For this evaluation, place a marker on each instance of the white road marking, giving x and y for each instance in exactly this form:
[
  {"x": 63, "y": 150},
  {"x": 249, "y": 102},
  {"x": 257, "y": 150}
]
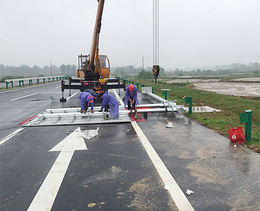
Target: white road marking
[
  {"x": 72, "y": 96},
  {"x": 24, "y": 96},
  {"x": 118, "y": 98},
  {"x": 176, "y": 193},
  {"x": 47, "y": 193},
  {"x": 10, "y": 136},
  {"x": 57, "y": 87}
]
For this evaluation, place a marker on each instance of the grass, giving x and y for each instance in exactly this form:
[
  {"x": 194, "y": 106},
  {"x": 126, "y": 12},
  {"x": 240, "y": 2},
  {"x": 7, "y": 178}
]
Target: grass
[{"x": 220, "y": 122}]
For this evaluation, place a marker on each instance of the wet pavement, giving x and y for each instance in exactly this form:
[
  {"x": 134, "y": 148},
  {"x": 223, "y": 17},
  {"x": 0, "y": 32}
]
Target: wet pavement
[
  {"x": 116, "y": 173},
  {"x": 223, "y": 177}
]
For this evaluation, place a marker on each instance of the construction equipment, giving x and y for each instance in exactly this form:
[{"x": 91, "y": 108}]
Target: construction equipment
[{"x": 93, "y": 69}]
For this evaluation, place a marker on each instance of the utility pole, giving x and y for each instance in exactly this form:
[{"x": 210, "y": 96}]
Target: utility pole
[
  {"x": 51, "y": 67},
  {"x": 156, "y": 67},
  {"x": 143, "y": 62}
]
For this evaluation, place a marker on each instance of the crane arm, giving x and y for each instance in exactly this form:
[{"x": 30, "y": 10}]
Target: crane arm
[{"x": 96, "y": 33}]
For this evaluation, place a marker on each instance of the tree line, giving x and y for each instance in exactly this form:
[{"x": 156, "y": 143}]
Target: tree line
[
  {"x": 131, "y": 71},
  {"x": 26, "y": 71},
  {"x": 225, "y": 70}
]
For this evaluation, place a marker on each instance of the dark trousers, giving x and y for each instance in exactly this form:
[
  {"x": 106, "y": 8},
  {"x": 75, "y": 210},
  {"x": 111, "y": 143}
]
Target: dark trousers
[
  {"x": 106, "y": 107},
  {"x": 129, "y": 104}
]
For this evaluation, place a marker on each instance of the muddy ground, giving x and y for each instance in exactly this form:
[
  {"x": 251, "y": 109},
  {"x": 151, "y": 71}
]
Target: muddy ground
[{"x": 245, "y": 87}]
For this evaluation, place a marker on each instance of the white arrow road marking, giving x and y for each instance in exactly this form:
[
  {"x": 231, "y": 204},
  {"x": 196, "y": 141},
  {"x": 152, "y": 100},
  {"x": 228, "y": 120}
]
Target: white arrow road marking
[{"x": 46, "y": 195}]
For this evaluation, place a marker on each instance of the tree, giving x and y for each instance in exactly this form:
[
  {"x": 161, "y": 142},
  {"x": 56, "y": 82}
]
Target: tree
[{"x": 145, "y": 75}]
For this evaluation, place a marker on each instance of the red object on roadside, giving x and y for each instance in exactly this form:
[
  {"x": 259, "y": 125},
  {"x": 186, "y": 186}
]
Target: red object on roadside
[{"x": 236, "y": 135}]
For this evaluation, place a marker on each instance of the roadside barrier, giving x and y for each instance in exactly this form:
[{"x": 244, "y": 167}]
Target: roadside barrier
[
  {"x": 189, "y": 100},
  {"x": 247, "y": 118},
  {"x": 30, "y": 80}
]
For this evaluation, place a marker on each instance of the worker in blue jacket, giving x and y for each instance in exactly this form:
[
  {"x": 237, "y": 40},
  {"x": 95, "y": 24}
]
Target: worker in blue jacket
[
  {"x": 110, "y": 100},
  {"x": 86, "y": 100},
  {"x": 131, "y": 96},
  {"x": 93, "y": 93}
]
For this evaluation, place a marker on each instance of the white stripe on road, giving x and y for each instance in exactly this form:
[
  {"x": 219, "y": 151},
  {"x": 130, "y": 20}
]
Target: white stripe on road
[
  {"x": 72, "y": 95},
  {"x": 23, "y": 97},
  {"x": 10, "y": 136},
  {"x": 118, "y": 98},
  {"x": 176, "y": 193}
]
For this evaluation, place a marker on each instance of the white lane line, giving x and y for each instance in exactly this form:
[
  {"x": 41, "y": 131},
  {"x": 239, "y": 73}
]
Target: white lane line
[
  {"x": 10, "y": 136},
  {"x": 72, "y": 96},
  {"x": 118, "y": 98},
  {"x": 176, "y": 193},
  {"x": 23, "y": 97},
  {"x": 57, "y": 87}
]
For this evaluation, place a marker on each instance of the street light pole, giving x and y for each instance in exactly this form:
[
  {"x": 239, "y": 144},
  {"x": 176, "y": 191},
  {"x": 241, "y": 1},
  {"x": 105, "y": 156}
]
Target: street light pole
[{"x": 51, "y": 67}]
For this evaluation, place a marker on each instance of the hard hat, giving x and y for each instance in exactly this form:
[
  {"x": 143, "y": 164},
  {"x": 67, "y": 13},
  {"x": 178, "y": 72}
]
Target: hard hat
[
  {"x": 131, "y": 87},
  {"x": 90, "y": 99}
]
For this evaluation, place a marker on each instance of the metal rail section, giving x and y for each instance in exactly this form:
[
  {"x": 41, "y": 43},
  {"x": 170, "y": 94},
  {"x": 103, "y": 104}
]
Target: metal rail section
[
  {"x": 169, "y": 106},
  {"x": 68, "y": 116}
]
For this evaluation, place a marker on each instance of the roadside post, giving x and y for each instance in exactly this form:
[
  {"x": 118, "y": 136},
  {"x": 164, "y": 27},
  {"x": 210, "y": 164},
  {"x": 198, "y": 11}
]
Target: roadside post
[
  {"x": 189, "y": 100},
  {"x": 247, "y": 118},
  {"x": 21, "y": 82},
  {"x": 165, "y": 93},
  {"x": 137, "y": 86}
]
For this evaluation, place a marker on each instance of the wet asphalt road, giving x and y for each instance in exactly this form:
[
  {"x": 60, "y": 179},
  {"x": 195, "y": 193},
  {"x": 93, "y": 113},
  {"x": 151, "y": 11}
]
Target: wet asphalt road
[{"x": 115, "y": 173}]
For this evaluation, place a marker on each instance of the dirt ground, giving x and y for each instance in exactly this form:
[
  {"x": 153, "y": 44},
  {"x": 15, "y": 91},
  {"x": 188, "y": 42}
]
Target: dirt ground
[{"x": 246, "y": 87}]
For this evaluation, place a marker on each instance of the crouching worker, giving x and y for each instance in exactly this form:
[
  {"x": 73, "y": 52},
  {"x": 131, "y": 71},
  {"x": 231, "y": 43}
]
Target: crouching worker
[
  {"x": 109, "y": 100},
  {"x": 131, "y": 97},
  {"x": 86, "y": 100},
  {"x": 93, "y": 93}
]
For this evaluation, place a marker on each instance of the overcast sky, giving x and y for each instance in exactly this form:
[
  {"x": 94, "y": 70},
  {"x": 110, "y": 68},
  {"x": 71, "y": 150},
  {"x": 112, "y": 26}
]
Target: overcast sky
[{"x": 193, "y": 33}]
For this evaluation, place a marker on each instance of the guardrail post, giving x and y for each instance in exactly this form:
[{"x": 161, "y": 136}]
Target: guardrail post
[
  {"x": 12, "y": 83},
  {"x": 247, "y": 118},
  {"x": 137, "y": 86},
  {"x": 49, "y": 80},
  {"x": 6, "y": 84},
  {"x": 38, "y": 81},
  {"x": 30, "y": 82},
  {"x": 21, "y": 82},
  {"x": 43, "y": 80},
  {"x": 165, "y": 93},
  {"x": 189, "y": 100}
]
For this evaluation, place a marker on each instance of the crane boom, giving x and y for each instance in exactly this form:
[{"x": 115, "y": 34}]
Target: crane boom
[
  {"x": 93, "y": 69},
  {"x": 96, "y": 33}
]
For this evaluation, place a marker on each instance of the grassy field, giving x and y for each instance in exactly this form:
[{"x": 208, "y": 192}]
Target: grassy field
[{"x": 219, "y": 122}]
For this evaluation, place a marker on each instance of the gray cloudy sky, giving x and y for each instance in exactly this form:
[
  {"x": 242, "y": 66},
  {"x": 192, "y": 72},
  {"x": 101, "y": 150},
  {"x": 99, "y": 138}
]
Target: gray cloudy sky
[{"x": 193, "y": 33}]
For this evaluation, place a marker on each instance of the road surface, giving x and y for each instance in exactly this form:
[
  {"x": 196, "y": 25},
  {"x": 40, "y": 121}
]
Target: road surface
[{"x": 128, "y": 166}]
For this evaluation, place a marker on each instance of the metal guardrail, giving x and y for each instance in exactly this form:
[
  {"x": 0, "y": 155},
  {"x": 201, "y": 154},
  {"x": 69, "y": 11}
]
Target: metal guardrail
[{"x": 30, "y": 80}]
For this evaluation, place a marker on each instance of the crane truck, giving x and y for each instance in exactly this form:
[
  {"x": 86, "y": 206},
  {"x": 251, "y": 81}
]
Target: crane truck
[{"x": 93, "y": 69}]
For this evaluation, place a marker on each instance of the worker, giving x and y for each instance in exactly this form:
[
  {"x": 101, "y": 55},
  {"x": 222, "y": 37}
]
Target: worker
[
  {"x": 93, "y": 93},
  {"x": 85, "y": 100},
  {"x": 131, "y": 97},
  {"x": 110, "y": 100}
]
